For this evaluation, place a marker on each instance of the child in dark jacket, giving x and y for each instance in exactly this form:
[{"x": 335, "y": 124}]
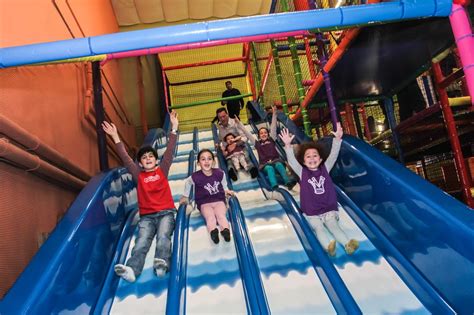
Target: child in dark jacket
[
  {"x": 155, "y": 202},
  {"x": 317, "y": 193},
  {"x": 269, "y": 159},
  {"x": 210, "y": 190}
]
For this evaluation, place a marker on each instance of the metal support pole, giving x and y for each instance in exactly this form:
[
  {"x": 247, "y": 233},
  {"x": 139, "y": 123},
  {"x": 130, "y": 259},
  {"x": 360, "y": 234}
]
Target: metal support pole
[
  {"x": 249, "y": 71},
  {"x": 257, "y": 69},
  {"x": 141, "y": 97},
  {"x": 327, "y": 80},
  {"x": 165, "y": 91},
  {"x": 368, "y": 135},
  {"x": 266, "y": 73},
  {"x": 388, "y": 103},
  {"x": 281, "y": 85},
  {"x": 99, "y": 116},
  {"x": 309, "y": 57},
  {"x": 298, "y": 77},
  {"x": 360, "y": 134}
]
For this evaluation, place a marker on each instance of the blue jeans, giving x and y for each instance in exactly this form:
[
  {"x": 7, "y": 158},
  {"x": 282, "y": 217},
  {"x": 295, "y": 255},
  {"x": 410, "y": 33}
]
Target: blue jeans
[
  {"x": 269, "y": 169},
  {"x": 160, "y": 224}
]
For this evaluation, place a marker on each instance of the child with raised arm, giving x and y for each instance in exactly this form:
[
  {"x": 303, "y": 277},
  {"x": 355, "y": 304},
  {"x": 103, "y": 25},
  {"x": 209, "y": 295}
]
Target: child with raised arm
[
  {"x": 234, "y": 152},
  {"x": 317, "y": 193},
  {"x": 268, "y": 157},
  {"x": 210, "y": 190},
  {"x": 155, "y": 203}
]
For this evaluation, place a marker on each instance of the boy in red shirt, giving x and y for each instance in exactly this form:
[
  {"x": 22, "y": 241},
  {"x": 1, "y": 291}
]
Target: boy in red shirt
[{"x": 155, "y": 202}]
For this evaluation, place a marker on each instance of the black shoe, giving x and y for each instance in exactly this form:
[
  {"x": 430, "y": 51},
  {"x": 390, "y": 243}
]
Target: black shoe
[
  {"x": 254, "y": 172},
  {"x": 226, "y": 235},
  {"x": 291, "y": 184},
  {"x": 232, "y": 174},
  {"x": 215, "y": 236}
]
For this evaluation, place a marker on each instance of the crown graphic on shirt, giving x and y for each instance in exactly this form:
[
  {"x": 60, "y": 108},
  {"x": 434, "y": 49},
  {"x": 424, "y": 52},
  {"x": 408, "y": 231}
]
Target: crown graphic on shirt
[
  {"x": 212, "y": 189},
  {"x": 318, "y": 185}
]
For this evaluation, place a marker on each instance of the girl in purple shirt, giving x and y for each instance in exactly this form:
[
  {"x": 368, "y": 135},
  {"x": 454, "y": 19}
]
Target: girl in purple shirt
[
  {"x": 268, "y": 158},
  {"x": 317, "y": 193},
  {"x": 210, "y": 190}
]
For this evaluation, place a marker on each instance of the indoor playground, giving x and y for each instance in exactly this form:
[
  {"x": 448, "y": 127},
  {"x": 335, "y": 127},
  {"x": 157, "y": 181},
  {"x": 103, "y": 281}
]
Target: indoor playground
[{"x": 397, "y": 75}]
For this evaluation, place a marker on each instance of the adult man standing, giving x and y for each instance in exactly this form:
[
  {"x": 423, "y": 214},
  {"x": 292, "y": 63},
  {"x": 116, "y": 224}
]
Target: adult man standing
[{"x": 233, "y": 106}]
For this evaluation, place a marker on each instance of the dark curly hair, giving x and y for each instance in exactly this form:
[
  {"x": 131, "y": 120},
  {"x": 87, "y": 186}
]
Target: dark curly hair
[{"x": 310, "y": 145}]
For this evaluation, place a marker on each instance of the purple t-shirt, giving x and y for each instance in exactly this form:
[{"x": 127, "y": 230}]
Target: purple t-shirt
[
  {"x": 317, "y": 192},
  {"x": 267, "y": 152},
  {"x": 208, "y": 189}
]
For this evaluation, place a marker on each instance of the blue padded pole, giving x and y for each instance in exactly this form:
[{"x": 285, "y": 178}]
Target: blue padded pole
[{"x": 315, "y": 20}]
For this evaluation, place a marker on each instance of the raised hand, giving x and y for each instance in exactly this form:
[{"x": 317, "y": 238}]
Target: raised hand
[
  {"x": 286, "y": 137},
  {"x": 111, "y": 130},
  {"x": 339, "y": 132},
  {"x": 174, "y": 120},
  {"x": 274, "y": 109}
]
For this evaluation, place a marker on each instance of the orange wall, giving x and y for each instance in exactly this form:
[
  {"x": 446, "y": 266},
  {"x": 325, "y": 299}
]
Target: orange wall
[{"x": 50, "y": 103}]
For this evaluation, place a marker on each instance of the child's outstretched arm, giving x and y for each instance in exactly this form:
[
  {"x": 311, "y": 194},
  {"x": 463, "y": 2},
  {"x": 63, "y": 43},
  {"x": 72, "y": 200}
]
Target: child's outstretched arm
[
  {"x": 227, "y": 191},
  {"x": 170, "y": 148},
  {"x": 286, "y": 137},
  {"x": 247, "y": 134},
  {"x": 224, "y": 149},
  {"x": 273, "y": 126},
  {"x": 188, "y": 185},
  {"x": 111, "y": 130},
  {"x": 336, "y": 146}
]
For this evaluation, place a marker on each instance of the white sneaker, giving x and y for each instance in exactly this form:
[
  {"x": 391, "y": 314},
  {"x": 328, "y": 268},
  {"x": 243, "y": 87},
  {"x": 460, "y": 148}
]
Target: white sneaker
[
  {"x": 125, "y": 272},
  {"x": 160, "y": 266}
]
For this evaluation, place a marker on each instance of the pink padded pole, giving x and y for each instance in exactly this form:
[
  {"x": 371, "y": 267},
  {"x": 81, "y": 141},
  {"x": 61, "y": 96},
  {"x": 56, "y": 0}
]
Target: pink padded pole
[{"x": 462, "y": 31}]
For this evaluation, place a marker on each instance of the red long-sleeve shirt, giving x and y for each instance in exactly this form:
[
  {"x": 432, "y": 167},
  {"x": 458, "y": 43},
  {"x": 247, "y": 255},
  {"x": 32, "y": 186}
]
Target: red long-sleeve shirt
[{"x": 153, "y": 189}]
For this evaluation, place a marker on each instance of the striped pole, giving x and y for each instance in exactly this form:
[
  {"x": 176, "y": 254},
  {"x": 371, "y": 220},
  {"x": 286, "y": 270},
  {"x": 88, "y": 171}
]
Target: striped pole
[{"x": 281, "y": 86}]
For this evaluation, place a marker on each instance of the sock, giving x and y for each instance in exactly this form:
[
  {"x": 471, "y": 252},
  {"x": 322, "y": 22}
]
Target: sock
[
  {"x": 125, "y": 272},
  {"x": 160, "y": 266}
]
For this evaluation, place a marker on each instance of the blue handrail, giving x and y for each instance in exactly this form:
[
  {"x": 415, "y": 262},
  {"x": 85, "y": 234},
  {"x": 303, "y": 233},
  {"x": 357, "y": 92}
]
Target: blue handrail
[
  {"x": 335, "y": 287},
  {"x": 255, "y": 294},
  {"x": 176, "y": 299},
  {"x": 88, "y": 232},
  {"x": 430, "y": 298},
  {"x": 104, "y": 301},
  {"x": 195, "y": 140}
]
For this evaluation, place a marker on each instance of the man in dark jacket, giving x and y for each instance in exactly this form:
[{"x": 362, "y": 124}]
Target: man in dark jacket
[{"x": 233, "y": 106}]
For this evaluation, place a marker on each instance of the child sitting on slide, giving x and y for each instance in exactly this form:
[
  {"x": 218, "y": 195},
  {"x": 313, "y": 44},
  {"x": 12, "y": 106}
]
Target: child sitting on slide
[
  {"x": 210, "y": 190},
  {"x": 155, "y": 203},
  {"x": 317, "y": 193},
  {"x": 234, "y": 152},
  {"x": 269, "y": 159}
]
